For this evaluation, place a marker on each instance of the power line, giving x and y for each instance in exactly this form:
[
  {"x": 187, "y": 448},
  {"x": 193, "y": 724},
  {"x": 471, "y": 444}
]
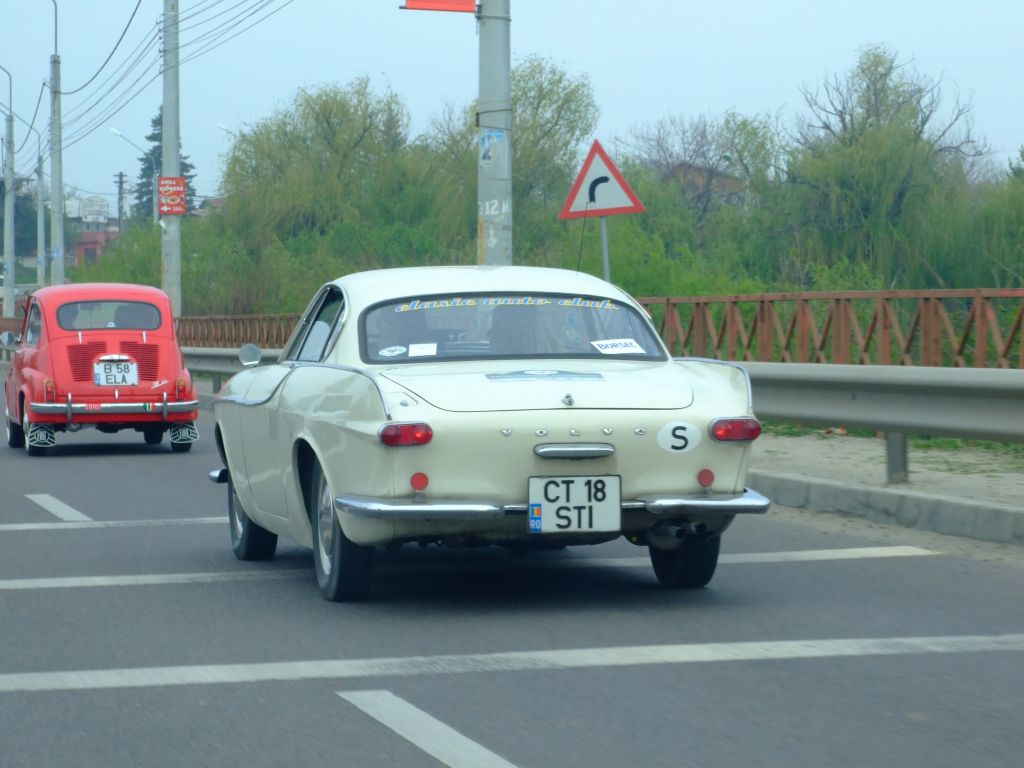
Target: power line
[{"x": 112, "y": 52}]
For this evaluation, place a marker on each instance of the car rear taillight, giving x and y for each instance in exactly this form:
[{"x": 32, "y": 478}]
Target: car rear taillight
[
  {"x": 725, "y": 430},
  {"x": 180, "y": 388},
  {"x": 406, "y": 434},
  {"x": 50, "y": 390}
]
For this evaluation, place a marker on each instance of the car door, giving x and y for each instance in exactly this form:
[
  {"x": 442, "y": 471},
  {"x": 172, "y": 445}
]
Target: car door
[
  {"x": 24, "y": 371},
  {"x": 266, "y": 433}
]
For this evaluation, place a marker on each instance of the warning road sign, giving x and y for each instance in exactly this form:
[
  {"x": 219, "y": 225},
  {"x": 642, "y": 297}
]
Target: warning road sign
[{"x": 600, "y": 190}]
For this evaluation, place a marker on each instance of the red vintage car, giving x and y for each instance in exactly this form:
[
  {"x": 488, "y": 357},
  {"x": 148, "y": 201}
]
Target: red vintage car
[{"x": 102, "y": 355}]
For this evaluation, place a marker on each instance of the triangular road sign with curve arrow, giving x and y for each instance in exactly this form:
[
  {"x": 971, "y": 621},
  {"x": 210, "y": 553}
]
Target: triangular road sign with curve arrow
[{"x": 599, "y": 190}]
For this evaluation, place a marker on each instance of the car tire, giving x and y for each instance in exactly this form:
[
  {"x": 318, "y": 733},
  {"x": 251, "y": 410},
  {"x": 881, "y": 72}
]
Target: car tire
[
  {"x": 689, "y": 566},
  {"x": 31, "y": 450},
  {"x": 153, "y": 435},
  {"x": 181, "y": 447},
  {"x": 343, "y": 568},
  {"x": 249, "y": 540},
  {"x": 15, "y": 434}
]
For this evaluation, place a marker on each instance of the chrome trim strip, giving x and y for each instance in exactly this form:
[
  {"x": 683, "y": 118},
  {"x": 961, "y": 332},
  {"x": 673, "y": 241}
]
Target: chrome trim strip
[
  {"x": 70, "y": 409},
  {"x": 410, "y": 509},
  {"x": 573, "y": 450},
  {"x": 748, "y": 502}
]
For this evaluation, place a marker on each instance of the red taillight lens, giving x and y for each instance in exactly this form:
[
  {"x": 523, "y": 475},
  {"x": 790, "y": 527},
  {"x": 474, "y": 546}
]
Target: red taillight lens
[
  {"x": 406, "y": 434},
  {"x": 50, "y": 390},
  {"x": 180, "y": 389},
  {"x": 735, "y": 429}
]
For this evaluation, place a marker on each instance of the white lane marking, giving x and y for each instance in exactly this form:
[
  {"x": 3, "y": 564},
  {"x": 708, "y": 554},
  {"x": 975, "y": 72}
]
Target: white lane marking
[
  {"x": 156, "y": 579},
  {"x": 58, "y": 508},
  {"x": 438, "y": 740},
  {"x": 515, "y": 661},
  {"x": 149, "y": 580},
  {"x": 16, "y": 527}
]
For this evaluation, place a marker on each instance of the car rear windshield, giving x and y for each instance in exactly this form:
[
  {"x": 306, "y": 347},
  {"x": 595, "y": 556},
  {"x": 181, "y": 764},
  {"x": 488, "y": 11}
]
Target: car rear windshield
[
  {"x": 108, "y": 314},
  {"x": 506, "y": 326}
]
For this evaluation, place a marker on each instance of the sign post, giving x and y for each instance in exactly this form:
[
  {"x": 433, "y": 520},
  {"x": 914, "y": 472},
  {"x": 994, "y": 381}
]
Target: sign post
[{"x": 600, "y": 190}]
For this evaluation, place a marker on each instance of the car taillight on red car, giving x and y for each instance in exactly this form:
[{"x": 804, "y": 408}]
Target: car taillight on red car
[
  {"x": 50, "y": 390},
  {"x": 180, "y": 388},
  {"x": 725, "y": 430},
  {"x": 406, "y": 434}
]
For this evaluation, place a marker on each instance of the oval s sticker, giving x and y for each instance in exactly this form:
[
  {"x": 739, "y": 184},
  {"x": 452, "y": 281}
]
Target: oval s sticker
[{"x": 679, "y": 437}]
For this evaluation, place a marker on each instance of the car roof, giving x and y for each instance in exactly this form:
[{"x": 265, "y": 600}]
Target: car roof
[
  {"x": 96, "y": 291},
  {"x": 366, "y": 288}
]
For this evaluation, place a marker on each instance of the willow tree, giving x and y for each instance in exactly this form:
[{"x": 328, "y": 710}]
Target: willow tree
[{"x": 867, "y": 160}]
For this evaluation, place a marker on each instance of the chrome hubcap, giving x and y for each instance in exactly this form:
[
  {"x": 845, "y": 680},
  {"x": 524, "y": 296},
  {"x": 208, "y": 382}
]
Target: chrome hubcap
[{"x": 325, "y": 525}]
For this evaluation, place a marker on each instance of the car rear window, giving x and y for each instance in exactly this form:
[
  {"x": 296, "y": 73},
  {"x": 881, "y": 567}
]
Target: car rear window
[
  {"x": 506, "y": 326},
  {"x": 108, "y": 314}
]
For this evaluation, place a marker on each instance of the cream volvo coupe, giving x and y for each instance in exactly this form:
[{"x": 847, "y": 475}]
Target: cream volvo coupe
[{"x": 465, "y": 406}]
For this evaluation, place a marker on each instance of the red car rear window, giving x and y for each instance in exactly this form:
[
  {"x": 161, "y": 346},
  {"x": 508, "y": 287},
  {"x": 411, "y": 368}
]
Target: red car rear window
[{"x": 110, "y": 313}]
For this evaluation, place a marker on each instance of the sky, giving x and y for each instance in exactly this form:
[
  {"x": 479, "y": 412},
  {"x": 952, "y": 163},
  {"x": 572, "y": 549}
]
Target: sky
[{"x": 646, "y": 60}]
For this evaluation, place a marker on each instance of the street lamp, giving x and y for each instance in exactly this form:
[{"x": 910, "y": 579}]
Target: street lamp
[
  {"x": 156, "y": 171},
  {"x": 9, "y": 269}
]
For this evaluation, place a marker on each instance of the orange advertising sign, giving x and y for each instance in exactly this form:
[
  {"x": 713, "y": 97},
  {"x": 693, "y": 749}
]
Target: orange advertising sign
[
  {"x": 171, "y": 196},
  {"x": 464, "y": 6}
]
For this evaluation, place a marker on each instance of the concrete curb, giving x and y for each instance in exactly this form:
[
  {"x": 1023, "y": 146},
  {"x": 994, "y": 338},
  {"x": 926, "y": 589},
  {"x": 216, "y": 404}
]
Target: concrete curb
[{"x": 987, "y": 521}]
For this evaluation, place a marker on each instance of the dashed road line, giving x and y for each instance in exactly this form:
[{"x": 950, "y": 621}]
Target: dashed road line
[
  {"x": 58, "y": 508},
  {"x": 514, "y": 661},
  {"x": 438, "y": 740},
  {"x": 98, "y": 524},
  {"x": 275, "y": 574}
]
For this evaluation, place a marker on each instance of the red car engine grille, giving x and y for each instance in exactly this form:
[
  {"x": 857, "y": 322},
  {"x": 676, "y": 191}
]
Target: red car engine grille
[
  {"x": 81, "y": 357},
  {"x": 146, "y": 355}
]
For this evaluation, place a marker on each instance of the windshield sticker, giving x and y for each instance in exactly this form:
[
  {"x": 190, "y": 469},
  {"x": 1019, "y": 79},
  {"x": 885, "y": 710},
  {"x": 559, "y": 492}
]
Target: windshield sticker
[
  {"x": 422, "y": 350},
  {"x": 618, "y": 347},
  {"x": 416, "y": 304},
  {"x": 544, "y": 376},
  {"x": 515, "y": 301},
  {"x": 391, "y": 351},
  {"x": 588, "y": 303}
]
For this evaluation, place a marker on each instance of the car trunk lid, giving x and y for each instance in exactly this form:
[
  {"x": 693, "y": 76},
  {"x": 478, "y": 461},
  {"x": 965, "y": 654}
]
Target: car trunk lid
[{"x": 517, "y": 388}]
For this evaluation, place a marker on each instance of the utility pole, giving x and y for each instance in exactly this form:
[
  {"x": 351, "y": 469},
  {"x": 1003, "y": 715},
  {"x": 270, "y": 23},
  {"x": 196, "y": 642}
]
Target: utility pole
[
  {"x": 171, "y": 240},
  {"x": 40, "y": 223},
  {"x": 10, "y": 279},
  {"x": 494, "y": 129},
  {"x": 119, "y": 178},
  {"x": 56, "y": 169}
]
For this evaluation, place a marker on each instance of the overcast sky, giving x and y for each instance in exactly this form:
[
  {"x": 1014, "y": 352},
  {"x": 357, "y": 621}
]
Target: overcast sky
[{"x": 646, "y": 59}]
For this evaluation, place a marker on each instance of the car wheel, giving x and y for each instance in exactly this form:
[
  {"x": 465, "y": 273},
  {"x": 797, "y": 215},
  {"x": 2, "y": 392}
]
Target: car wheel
[
  {"x": 181, "y": 447},
  {"x": 249, "y": 540},
  {"x": 31, "y": 450},
  {"x": 15, "y": 434},
  {"x": 343, "y": 568},
  {"x": 690, "y": 565},
  {"x": 153, "y": 435}
]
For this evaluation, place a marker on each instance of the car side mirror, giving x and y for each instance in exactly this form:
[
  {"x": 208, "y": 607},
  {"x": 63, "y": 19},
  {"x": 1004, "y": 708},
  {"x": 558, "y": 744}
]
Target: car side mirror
[
  {"x": 8, "y": 339},
  {"x": 249, "y": 355}
]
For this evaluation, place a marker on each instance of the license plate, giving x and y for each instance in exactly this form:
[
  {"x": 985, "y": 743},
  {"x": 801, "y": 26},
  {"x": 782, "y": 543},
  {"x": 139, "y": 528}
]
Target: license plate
[
  {"x": 573, "y": 504},
  {"x": 115, "y": 374}
]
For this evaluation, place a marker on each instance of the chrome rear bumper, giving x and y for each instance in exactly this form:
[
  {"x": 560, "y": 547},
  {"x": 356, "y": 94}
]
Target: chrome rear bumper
[
  {"x": 70, "y": 409},
  {"x": 749, "y": 502}
]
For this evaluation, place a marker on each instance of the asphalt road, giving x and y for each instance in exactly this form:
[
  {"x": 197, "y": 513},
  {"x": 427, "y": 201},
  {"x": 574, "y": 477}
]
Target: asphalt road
[{"x": 130, "y": 636}]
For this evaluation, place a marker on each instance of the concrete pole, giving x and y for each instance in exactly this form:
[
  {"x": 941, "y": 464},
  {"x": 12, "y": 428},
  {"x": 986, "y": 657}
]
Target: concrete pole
[
  {"x": 171, "y": 240},
  {"x": 56, "y": 171},
  {"x": 9, "y": 268},
  {"x": 40, "y": 223},
  {"x": 494, "y": 131}
]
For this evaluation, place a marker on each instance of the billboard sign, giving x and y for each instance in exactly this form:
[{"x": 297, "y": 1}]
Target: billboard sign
[{"x": 171, "y": 196}]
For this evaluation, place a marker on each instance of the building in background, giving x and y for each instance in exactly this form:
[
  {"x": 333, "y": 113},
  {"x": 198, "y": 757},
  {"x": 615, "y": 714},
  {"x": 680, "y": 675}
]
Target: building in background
[{"x": 90, "y": 221}]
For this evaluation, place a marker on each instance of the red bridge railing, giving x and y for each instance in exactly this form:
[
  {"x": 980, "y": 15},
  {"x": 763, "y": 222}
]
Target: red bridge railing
[
  {"x": 959, "y": 328},
  {"x": 981, "y": 328}
]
